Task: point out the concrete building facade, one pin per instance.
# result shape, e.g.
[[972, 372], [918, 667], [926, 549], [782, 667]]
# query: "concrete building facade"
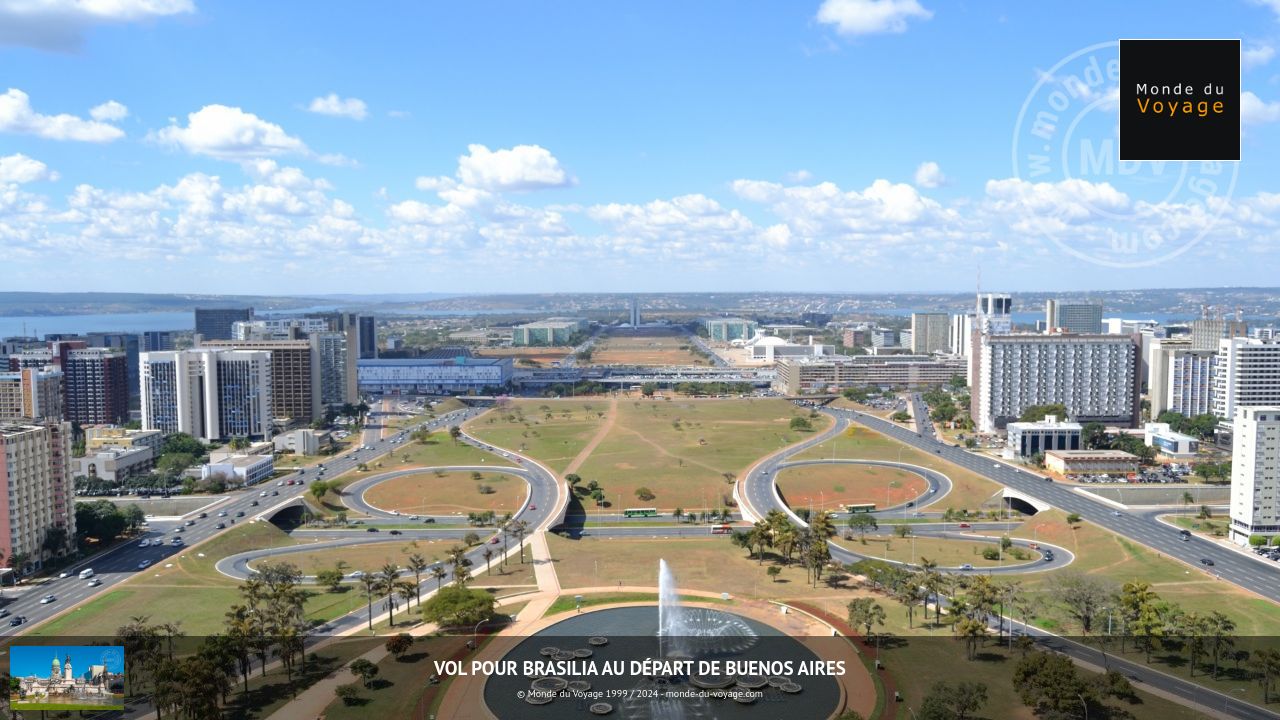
[[801, 376], [1073, 317], [31, 394], [434, 375], [212, 394], [1028, 438], [1180, 379], [730, 329], [1247, 375], [37, 495], [216, 323], [930, 333], [1255, 473]]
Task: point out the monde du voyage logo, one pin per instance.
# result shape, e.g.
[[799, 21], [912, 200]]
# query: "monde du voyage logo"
[[1180, 100]]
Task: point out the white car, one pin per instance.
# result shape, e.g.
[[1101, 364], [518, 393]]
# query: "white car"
[[144, 564], [47, 599], [145, 543]]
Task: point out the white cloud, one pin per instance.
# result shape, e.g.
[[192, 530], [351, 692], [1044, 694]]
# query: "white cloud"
[[333, 105], [798, 176], [19, 168], [1066, 201], [420, 213], [868, 17], [230, 133], [523, 167], [1256, 56], [1274, 5], [60, 24], [1256, 111], [109, 111], [929, 175], [17, 116]]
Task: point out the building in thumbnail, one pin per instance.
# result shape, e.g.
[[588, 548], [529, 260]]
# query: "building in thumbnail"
[[1094, 376], [216, 323], [37, 494], [549, 332], [1255, 473], [1247, 375], [1071, 317], [212, 394], [31, 394], [930, 333]]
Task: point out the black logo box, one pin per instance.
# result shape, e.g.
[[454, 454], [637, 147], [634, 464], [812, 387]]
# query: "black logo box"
[[1187, 69]]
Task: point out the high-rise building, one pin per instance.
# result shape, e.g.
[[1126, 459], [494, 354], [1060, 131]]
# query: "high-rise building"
[[37, 495], [930, 333], [31, 394], [1207, 332], [635, 312], [1247, 375], [330, 351], [556, 331], [215, 323], [992, 315], [1180, 379], [960, 334], [1083, 318], [368, 337], [157, 341], [348, 324], [213, 394], [1094, 376], [279, 328], [95, 385], [1255, 473], [295, 377], [884, 337], [130, 345]]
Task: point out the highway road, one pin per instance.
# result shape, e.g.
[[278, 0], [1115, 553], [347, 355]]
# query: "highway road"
[[121, 563]]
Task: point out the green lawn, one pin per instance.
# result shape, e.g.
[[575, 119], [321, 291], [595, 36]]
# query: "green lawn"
[[552, 431], [687, 451]]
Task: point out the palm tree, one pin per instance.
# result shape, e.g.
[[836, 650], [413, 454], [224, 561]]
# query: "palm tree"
[[909, 594], [439, 573], [519, 528], [488, 555], [972, 631], [407, 592], [417, 564], [387, 578], [823, 524], [370, 583]]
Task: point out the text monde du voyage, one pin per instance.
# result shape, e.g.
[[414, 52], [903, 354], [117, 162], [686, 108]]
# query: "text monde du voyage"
[[1180, 99]]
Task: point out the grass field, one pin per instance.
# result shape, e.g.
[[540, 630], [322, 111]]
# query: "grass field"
[[369, 557], [709, 563], [947, 553], [970, 489], [553, 431], [833, 486], [645, 350], [169, 506], [449, 492], [438, 451], [682, 450], [1212, 527]]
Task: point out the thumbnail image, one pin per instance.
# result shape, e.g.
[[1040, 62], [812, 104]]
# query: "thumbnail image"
[[66, 677]]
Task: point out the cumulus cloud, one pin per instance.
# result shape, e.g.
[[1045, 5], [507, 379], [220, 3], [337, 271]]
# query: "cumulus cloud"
[[60, 24], [17, 116], [798, 176], [523, 167], [109, 111], [1256, 111], [869, 17], [19, 168], [1256, 56], [335, 106], [229, 133], [929, 175]]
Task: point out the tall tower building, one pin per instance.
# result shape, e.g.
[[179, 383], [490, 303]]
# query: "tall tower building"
[[295, 377], [1247, 375], [635, 311], [31, 394], [156, 341], [36, 497], [215, 323], [368, 337], [213, 394], [96, 386], [1255, 473], [1207, 332], [1082, 318], [930, 333]]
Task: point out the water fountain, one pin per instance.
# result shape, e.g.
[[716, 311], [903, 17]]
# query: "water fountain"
[[673, 625]]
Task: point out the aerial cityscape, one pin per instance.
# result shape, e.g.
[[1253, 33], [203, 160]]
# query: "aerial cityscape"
[[811, 360]]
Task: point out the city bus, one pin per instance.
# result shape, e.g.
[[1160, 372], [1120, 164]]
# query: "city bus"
[[721, 529], [861, 508], [640, 512]]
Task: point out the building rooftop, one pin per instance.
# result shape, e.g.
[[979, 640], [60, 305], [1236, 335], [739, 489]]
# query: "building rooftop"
[[1049, 422], [1087, 454]]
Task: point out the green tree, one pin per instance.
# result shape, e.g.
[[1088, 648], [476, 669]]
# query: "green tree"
[[347, 693], [458, 607], [417, 564], [773, 571], [1036, 413], [1051, 686], [645, 494], [364, 670], [801, 424], [1093, 435], [866, 613], [455, 433], [399, 644], [947, 701], [331, 579]]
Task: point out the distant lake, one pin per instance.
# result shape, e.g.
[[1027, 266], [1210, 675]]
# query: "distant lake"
[[39, 326]]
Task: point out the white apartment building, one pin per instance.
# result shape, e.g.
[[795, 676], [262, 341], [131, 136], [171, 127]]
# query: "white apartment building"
[[35, 469], [1094, 376], [1247, 375], [1255, 473], [212, 394], [1180, 379], [960, 334]]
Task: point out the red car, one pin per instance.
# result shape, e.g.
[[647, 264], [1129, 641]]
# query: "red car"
[[495, 540], [965, 526], [533, 507]]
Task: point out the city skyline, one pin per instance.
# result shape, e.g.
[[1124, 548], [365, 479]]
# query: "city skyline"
[[723, 144]]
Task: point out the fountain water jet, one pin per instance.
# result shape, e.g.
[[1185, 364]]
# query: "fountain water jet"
[[673, 625]]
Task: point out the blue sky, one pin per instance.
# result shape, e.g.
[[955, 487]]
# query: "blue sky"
[[37, 660], [853, 145]]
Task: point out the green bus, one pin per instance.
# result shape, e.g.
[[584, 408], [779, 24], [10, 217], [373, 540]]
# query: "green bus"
[[861, 508], [640, 512]]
